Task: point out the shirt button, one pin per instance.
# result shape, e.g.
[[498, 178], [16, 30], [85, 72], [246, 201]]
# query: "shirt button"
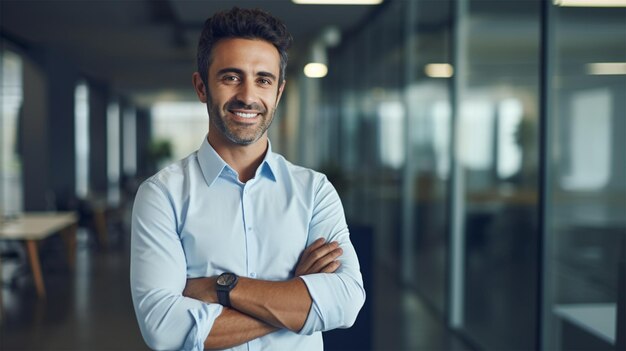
[[253, 274], [249, 229]]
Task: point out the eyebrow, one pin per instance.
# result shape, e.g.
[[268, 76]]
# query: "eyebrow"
[[241, 72]]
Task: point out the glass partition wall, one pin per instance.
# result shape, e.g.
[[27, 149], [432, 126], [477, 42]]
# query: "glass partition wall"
[[428, 101], [496, 173], [11, 96], [483, 141], [363, 93], [585, 231]]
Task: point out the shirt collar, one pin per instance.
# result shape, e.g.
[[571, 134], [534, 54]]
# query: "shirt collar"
[[213, 165], [269, 165]]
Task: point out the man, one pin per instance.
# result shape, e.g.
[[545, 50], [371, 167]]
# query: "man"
[[233, 246]]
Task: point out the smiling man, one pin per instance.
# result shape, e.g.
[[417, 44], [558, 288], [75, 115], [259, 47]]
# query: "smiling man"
[[234, 247]]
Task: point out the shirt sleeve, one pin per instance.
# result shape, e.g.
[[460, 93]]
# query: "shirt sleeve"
[[337, 297], [158, 274]]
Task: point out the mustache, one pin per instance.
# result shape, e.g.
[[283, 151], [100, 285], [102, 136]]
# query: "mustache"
[[240, 105]]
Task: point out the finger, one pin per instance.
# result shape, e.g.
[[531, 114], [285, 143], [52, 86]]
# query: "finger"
[[323, 251], [304, 263], [314, 246], [325, 260], [331, 267], [316, 250]]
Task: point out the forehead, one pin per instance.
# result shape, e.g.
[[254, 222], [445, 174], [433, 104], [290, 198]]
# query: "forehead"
[[246, 54]]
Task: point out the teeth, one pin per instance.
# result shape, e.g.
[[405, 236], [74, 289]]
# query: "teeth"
[[246, 115]]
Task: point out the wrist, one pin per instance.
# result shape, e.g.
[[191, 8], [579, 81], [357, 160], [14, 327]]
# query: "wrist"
[[224, 283], [211, 293], [202, 289]]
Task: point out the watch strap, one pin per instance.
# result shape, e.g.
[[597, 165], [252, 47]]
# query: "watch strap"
[[223, 297]]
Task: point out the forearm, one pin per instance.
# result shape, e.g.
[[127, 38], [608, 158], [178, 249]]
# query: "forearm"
[[283, 304], [234, 328]]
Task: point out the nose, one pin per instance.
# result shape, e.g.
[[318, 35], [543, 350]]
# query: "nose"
[[246, 93]]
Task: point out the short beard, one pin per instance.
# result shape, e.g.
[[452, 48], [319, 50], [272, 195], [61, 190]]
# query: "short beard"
[[218, 122]]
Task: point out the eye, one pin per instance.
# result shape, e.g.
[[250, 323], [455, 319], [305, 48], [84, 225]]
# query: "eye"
[[230, 79], [265, 81]]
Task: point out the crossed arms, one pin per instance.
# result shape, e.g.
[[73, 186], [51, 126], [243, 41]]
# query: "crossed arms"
[[261, 307], [174, 312]]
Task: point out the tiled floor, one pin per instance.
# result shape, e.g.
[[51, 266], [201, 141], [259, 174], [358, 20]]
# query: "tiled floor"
[[91, 308]]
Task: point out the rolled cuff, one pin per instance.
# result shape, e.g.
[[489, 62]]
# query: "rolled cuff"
[[203, 322], [337, 299]]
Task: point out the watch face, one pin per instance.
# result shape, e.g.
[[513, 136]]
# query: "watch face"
[[226, 279]]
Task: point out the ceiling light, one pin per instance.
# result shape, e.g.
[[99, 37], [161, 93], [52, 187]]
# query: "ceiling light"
[[607, 68], [337, 2], [315, 70], [439, 70], [590, 3]]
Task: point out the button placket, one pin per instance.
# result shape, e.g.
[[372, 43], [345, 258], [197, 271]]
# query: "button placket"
[[249, 232]]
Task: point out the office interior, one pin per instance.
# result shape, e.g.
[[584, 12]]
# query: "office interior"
[[478, 148]]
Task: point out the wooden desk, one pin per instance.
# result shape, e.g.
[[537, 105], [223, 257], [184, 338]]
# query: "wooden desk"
[[34, 226]]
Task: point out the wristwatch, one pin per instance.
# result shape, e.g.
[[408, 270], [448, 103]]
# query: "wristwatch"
[[225, 283]]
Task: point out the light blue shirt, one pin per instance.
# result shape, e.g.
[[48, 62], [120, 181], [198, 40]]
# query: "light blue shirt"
[[196, 219]]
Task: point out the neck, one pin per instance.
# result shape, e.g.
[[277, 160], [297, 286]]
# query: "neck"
[[244, 159]]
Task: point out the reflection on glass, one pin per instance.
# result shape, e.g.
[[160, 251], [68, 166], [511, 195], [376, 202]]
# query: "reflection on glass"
[[441, 137], [497, 150], [130, 141], [589, 161], [366, 84], [586, 229], [10, 165], [476, 133], [488, 100], [509, 151], [113, 152], [81, 138], [391, 133], [428, 107]]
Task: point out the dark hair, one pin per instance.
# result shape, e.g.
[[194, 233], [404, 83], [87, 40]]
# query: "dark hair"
[[242, 23]]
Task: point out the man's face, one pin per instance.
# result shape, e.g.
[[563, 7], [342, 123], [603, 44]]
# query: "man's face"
[[243, 89]]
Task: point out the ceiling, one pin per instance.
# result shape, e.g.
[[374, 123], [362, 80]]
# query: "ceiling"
[[146, 48]]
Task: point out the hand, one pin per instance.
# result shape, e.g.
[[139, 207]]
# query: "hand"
[[202, 289], [320, 257]]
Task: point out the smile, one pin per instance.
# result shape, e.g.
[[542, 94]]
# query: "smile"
[[246, 115]]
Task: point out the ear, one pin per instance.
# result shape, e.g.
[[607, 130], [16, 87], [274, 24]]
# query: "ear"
[[199, 87], [281, 89]]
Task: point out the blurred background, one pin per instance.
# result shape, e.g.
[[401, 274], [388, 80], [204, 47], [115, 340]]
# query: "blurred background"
[[478, 148]]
